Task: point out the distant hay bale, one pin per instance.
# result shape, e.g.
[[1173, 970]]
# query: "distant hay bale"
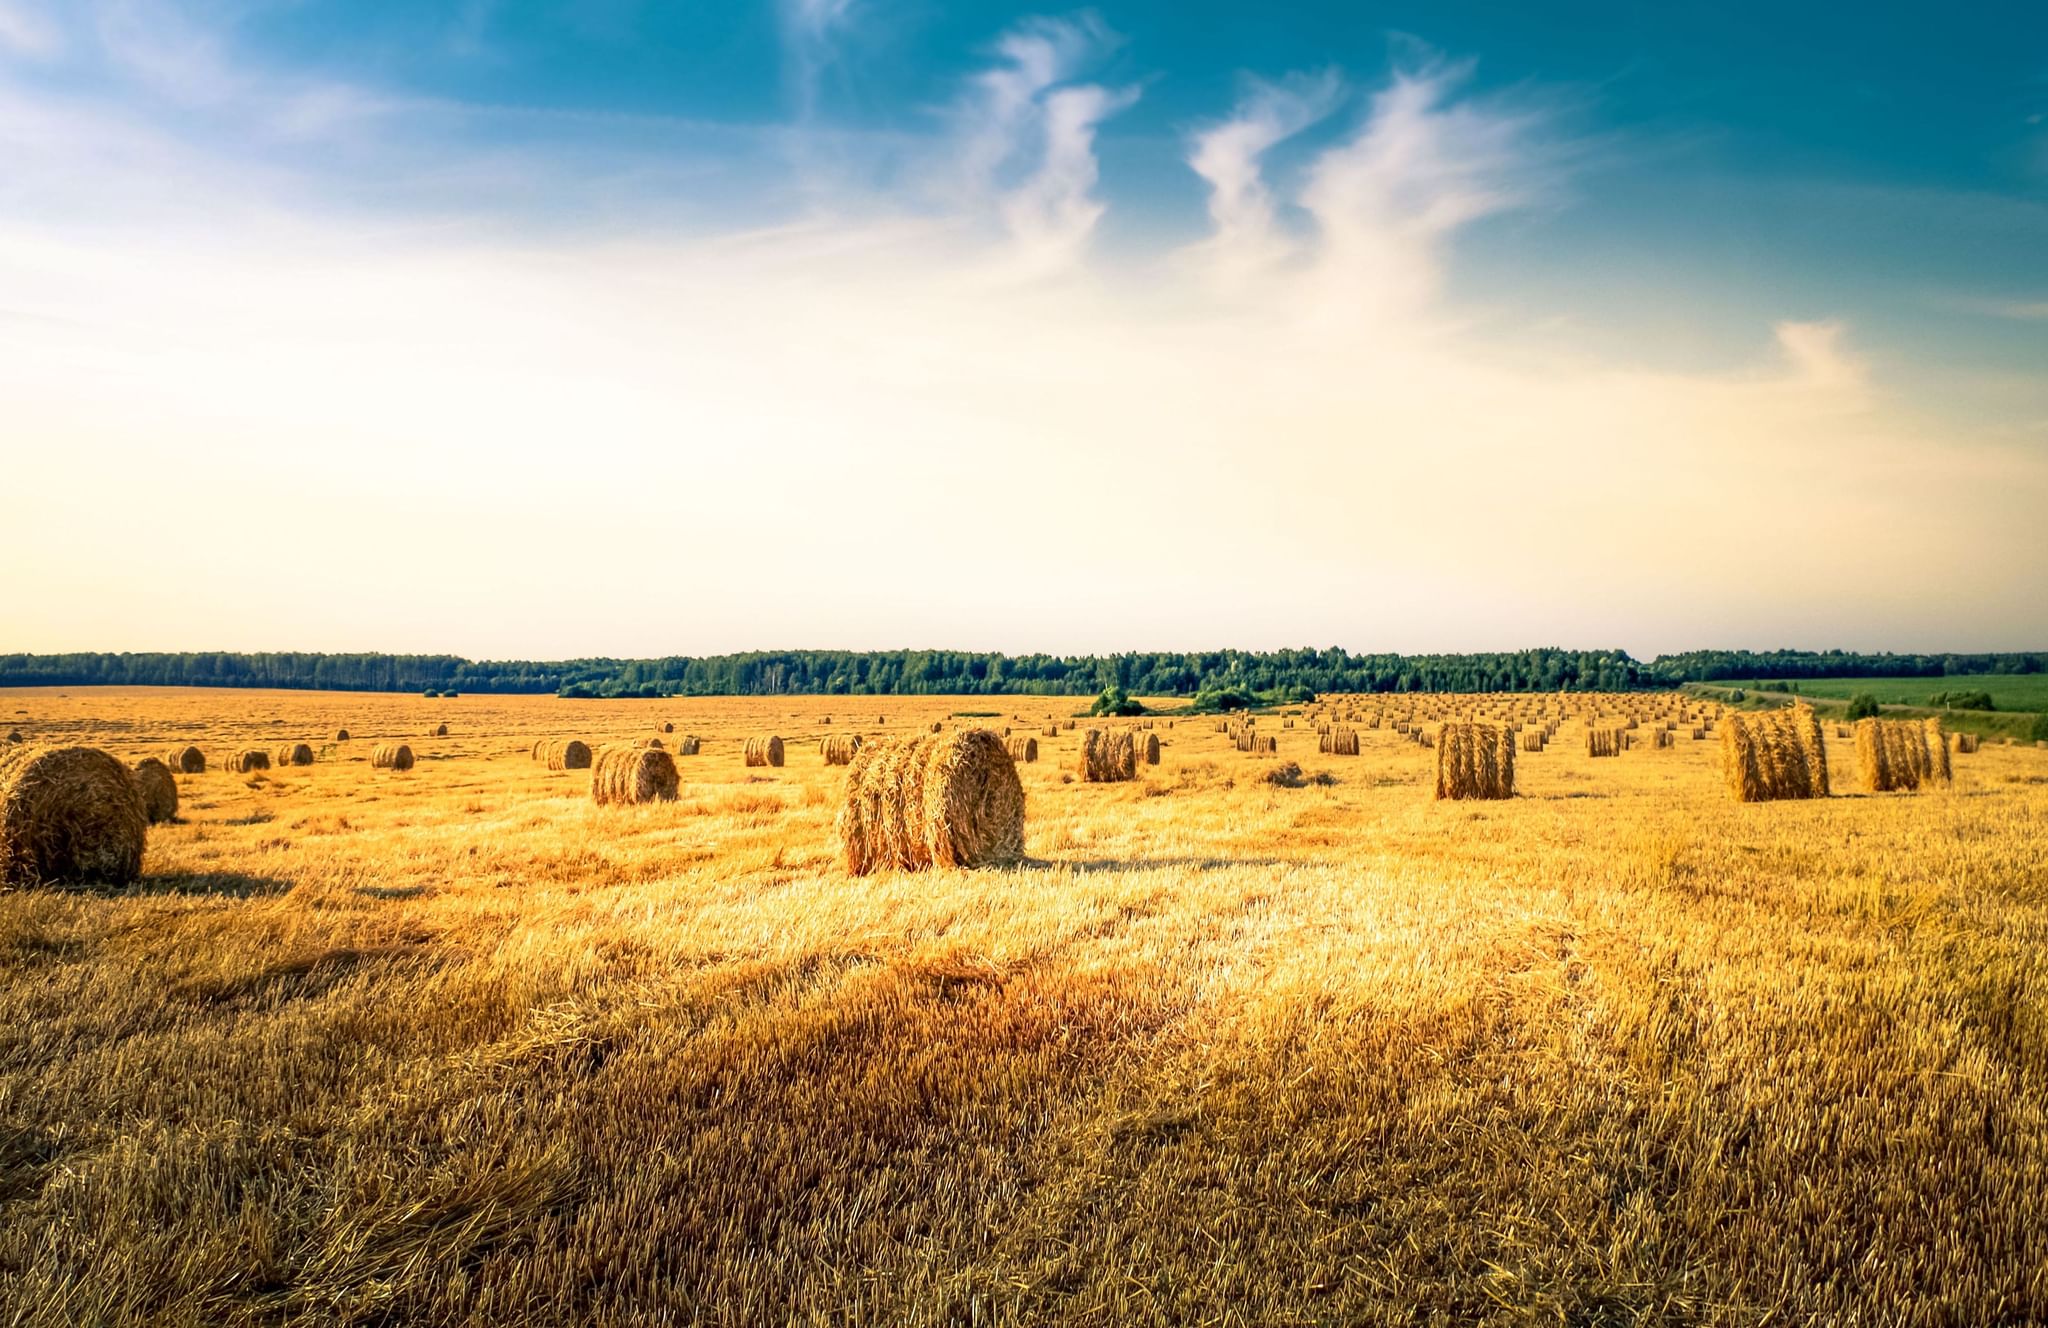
[[936, 726], [293, 753], [341, 735], [159, 789], [839, 749], [564, 753], [1775, 755], [1248, 741], [14, 735], [391, 756], [687, 745], [764, 751], [1340, 740], [623, 774], [1023, 749], [1606, 742], [1533, 740], [440, 731], [1051, 731], [1107, 757], [1899, 755], [1147, 745], [1966, 744], [934, 800], [655, 743], [241, 763], [69, 816], [188, 761], [667, 727], [1475, 760]]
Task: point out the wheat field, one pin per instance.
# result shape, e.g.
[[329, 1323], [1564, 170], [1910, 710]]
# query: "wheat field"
[[454, 1045]]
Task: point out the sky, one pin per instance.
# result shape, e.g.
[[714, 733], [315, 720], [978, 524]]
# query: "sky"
[[619, 327]]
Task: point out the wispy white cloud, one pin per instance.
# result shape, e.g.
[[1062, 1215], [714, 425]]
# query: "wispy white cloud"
[[810, 29], [1229, 158]]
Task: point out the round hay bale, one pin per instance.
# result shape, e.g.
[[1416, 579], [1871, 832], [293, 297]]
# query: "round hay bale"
[[688, 745], [159, 789], [1148, 748], [655, 743], [934, 800], [69, 816], [241, 763], [341, 735], [623, 775], [1107, 757], [14, 735], [188, 761], [440, 731], [839, 749], [1023, 749], [764, 751], [296, 753], [667, 727], [391, 756], [565, 753]]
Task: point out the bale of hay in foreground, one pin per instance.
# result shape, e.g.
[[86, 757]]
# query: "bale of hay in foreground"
[[764, 751], [840, 748], [188, 761], [622, 775], [391, 756], [563, 753], [1023, 749], [159, 789], [1775, 755], [934, 800], [69, 816], [1107, 758], [1475, 760], [294, 753], [1899, 755], [241, 763]]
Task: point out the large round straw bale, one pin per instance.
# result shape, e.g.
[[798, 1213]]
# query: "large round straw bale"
[[296, 753], [159, 789], [188, 761], [1023, 749], [934, 800], [241, 763], [1107, 757], [1148, 748], [68, 815], [764, 751], [391, 756], [839, 749], [624, 774], [565, 753]]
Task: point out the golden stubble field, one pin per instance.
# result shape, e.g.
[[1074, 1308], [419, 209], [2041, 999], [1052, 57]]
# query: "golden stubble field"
[[454, 1045]]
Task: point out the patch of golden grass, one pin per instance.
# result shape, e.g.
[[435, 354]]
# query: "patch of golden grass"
[[463, 1048]]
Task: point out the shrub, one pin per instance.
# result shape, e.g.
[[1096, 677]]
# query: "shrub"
[[1115, 701], [1863, 706], [1962, 701]]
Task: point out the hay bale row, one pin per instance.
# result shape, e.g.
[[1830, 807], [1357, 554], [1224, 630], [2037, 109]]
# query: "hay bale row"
[[159, 789], [391, 756], [764, 752], [935, 800], [626, 774], [1775, 755], [1107, 757], [1022, 749], [563, 753], [1899, 755], [840, 749], [1475, 760], [241, 763], [293, 753], [69, 816]]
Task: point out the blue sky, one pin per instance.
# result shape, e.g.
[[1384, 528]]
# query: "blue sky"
[[1171, 247]]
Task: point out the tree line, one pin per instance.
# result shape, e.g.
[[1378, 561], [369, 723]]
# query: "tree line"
[[924, 672]]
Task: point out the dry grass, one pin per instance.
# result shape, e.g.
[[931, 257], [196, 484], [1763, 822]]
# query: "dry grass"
[[462, 1048]]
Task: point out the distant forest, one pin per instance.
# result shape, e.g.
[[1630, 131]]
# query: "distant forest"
[[918, 672]]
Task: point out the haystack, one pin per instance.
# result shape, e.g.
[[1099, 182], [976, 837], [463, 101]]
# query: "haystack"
[[1023, 749], [1775, 755], [1533, 740], [159, 789], [625, 774], [1107, 758], [294, 753], [667, 727], [687, 745], [69, 815], [241, 763], [839, 749], [188, 761], [1606, 742], [1966, 744], [1148, 748], [764, 751], [440, 731], [935, 800], [391, 756], [341, 735], [1899, 755], [563, 753], [1475, 760], [1339, 741]]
